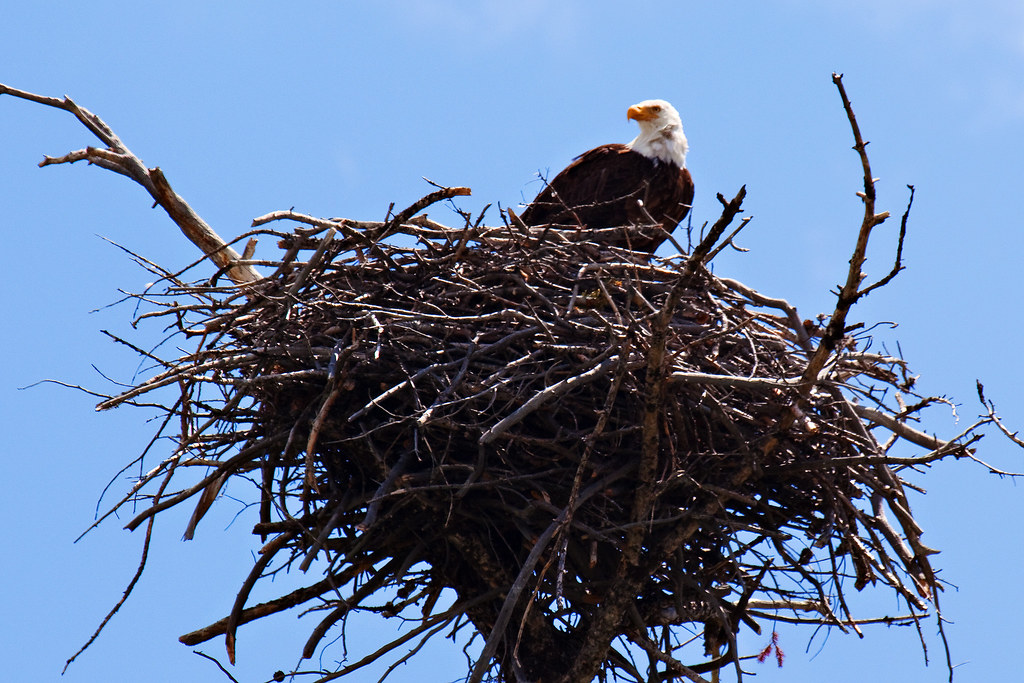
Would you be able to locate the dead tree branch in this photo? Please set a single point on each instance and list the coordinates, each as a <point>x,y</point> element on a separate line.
<point>118,158</point>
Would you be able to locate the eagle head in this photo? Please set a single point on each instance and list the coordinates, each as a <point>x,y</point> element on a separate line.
<point>661,132</point>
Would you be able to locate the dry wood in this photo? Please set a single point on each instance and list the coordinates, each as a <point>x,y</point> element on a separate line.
<point>118,158</point>
<point>435,409</point>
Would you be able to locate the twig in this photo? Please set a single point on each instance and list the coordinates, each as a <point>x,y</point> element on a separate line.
<point>131,584</point>
<point>403,216</point>
<point>729,210</point>
<point>444,618</point>
<point>898,265</point>
<point>728,240</point>
<point>266,555</point>
<point>296,597</point>
<point>550,393</point>
<point>219,665</point>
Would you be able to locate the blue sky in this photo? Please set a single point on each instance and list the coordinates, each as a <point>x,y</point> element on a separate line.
<point>340,108</point>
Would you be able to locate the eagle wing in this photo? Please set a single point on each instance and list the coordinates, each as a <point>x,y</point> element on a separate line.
<point>589,192</point>
<point>614,186</point>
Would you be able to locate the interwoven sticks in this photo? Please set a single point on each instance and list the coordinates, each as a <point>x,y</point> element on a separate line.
<point>472,412</point>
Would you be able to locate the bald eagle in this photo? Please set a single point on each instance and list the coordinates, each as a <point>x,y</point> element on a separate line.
<point>642,186</point>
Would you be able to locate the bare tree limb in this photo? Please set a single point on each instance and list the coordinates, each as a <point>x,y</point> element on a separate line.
<point>850,291</point>
<point>118,158</point>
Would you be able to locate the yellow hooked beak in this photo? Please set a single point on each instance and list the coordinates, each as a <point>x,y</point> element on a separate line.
<point>642,113</point>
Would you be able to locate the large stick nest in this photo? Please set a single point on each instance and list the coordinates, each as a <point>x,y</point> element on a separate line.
<point>586,445</point>
<point>586,455</point>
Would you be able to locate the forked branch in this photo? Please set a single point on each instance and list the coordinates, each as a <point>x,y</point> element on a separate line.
<point>850,292</point>
<point>118,158</point>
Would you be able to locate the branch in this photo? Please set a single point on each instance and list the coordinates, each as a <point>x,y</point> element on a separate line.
<point>540,398</point>
<point>627,578</point>
<point>403,216</point>
<point>296,597</point>
<point>118,158</point>
<point>850,292</point>
<point>898,265</point>
<point>729,210</point>
<point>899,428</point>
<point>497,634</point>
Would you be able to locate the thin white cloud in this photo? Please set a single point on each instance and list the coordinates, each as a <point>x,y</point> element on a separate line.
<point>487,21</point>
<point>965,23</point>
<point>998,102</point>
<point>975,47</point>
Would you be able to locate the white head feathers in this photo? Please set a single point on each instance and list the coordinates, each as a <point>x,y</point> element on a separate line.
<point>661,132</point>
